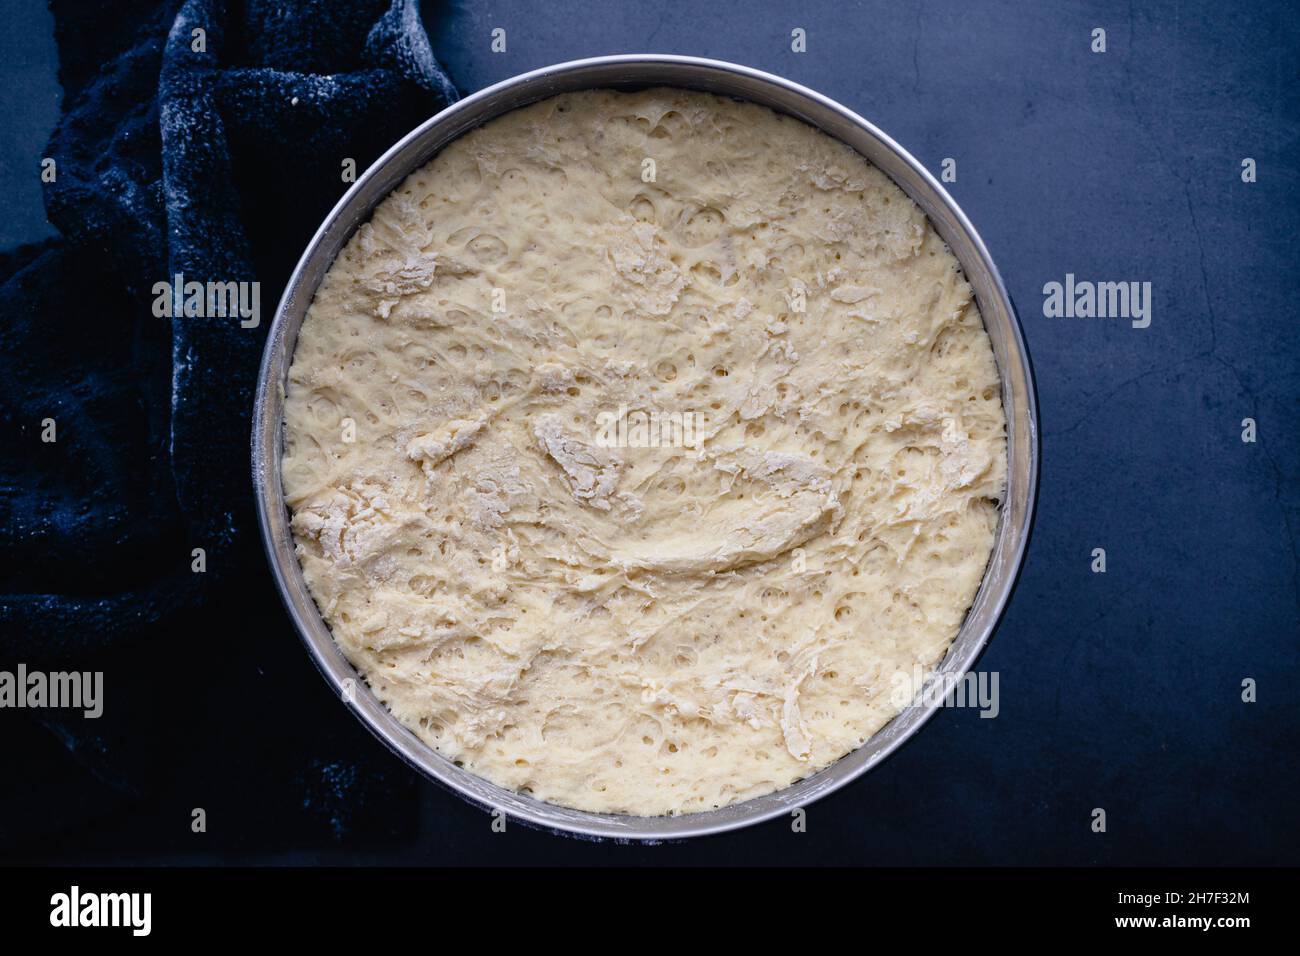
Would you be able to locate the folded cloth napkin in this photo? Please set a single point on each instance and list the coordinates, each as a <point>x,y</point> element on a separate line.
<point>207,139</point>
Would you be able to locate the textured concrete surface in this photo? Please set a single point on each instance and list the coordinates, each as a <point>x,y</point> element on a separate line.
<point>29,105</point>
<point>1122,690</point>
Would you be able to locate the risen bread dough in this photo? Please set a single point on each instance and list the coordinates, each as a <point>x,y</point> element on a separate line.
<point>662,629</point>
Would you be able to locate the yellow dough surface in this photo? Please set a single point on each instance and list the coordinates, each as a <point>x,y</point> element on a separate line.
<point>637,444</point>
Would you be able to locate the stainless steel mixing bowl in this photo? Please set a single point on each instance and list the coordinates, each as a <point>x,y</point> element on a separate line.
<point>632,71</point>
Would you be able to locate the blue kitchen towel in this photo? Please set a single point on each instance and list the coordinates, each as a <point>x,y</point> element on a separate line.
<point>206,139</point>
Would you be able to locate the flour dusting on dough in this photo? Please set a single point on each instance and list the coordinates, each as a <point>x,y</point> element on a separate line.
<point>645,629</point>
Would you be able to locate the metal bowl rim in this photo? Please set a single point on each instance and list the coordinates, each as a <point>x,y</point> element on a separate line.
<point>269,499</point>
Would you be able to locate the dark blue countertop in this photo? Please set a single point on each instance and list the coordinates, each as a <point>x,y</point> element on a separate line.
<point>1121,690</point>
